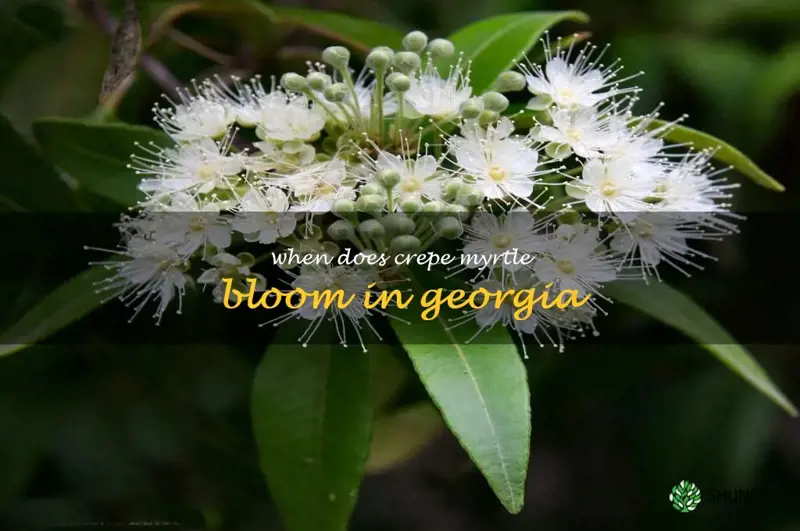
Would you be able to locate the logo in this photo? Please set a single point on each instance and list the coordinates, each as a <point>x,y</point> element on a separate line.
<point>685,497</point>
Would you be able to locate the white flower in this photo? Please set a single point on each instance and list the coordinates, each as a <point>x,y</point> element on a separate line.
<point>434,96</point>
<point>197,168</point>
<point>610,187</point>
<point>491,236</point>
<point>318,187</point>
<point>151,271</point>
<point>286,157</point>
<point>352,282</point>
<point>263,216</point>
<point>287,117</point>
<point>575,264</point>
<point>572,83</point>
<point>501,165</point>
<point>418,177</point>
<point>587,132</point>
<point>229,266</point>
<point>490,314</point>
<point>188,225</point>
<point>692,185</point>
<point>197,116</point>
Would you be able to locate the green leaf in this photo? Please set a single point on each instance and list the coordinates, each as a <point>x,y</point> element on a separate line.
<point>726,153</point>
<point>360,34</point>
<point>675,309</point>
<point>97,155</point>
<point>311,415</point>
<point>29,183</point>
<point>777,82</point>
<point>494,45</point>
<point>67,304</point>
<point>400,435</point>
<point>481,390</point>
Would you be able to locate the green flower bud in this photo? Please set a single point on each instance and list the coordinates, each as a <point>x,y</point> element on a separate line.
<point>557,151</point>
<point>509,81</point>
<point>385,49</point>
<point>336,56</point>
<point>343,207</point>
<point>336,92</point>
<point>470,196</point>
<point>406,62</point>
<point>450,190</point>
<point>246,259</point>
<point>434,207</point>
<point>441,48</point>
<point>371,204</point>
<point>372,228</point>
<point>373,189</point>
<point>341,230</point>
<point>388,178</point>
<point>397,223</point>
<point>411,206</point>
<point>472,108</point>
<point>294,82</point>
<point>405,243</point>
<point>494,101</point>
<point>488,117</point>
<point>318,81</point>
<point>398,82</point>
<point>378,60</point>
<point>449,228</point>
<point>416,41</point>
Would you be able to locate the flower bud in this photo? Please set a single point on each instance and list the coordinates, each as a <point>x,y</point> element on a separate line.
<point>509,81</point>
<point>472,108</point>
<point>294,82</point>
<point>385,49</point>
<point>488,117</point>
<point>494,101</point>
<point>388,178</point>
<point>450,190</point>
<point>343,207</point>
<point>318,81</point>
<point>373,189</point>
<point>378,60</point>
<point>470,196</point>
<point>540,103</point>
<point>411,206</point>
<point>398,82</point>
<point>397,223</point>
<point>405,243</point>
<point>449,228</point>
<point>370,203</point>
<point>372,228</point>
<point>406,62</point>
<point>336,56</point>
<point>336,92</point>
<point>416,41</point>
<point>341,229</point>
<point>557,151</point>
<point>441,48</point>
<point>434,207</point>
<point>246,259</point>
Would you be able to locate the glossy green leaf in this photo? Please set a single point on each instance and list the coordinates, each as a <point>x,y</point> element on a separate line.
<point>725,153</point>
<point>311,416</point>
<point>359,34</point>
<point>675,309</point>
<point>97,155</point>
<point>29,184</point>
<point>494,44</point>
<point>481,390</point>
<point>67,304</point>
<point>400,435</point>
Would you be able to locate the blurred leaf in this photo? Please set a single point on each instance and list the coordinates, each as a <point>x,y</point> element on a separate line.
<point>97,155</point>
<point>311,417</point>
<point>675,309</point>
<point>726,153</point>
<point>777,83</point>
<point>400,435</point>
<point>59,80</point>
<point>643,52</point>
<point>359,34</point>
<point>18,40</point>
<point>67,304</point>
<point>493,45</point>
<point>387,376</point>
<point>481,390</point>
<point>29,183</point>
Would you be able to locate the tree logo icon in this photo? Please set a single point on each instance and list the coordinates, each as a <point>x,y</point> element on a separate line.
<point>685,497</point>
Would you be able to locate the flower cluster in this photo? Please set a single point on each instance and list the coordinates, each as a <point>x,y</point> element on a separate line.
<point>404,157</point>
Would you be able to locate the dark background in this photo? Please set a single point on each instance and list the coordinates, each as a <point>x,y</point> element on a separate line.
<point>92,432</point>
